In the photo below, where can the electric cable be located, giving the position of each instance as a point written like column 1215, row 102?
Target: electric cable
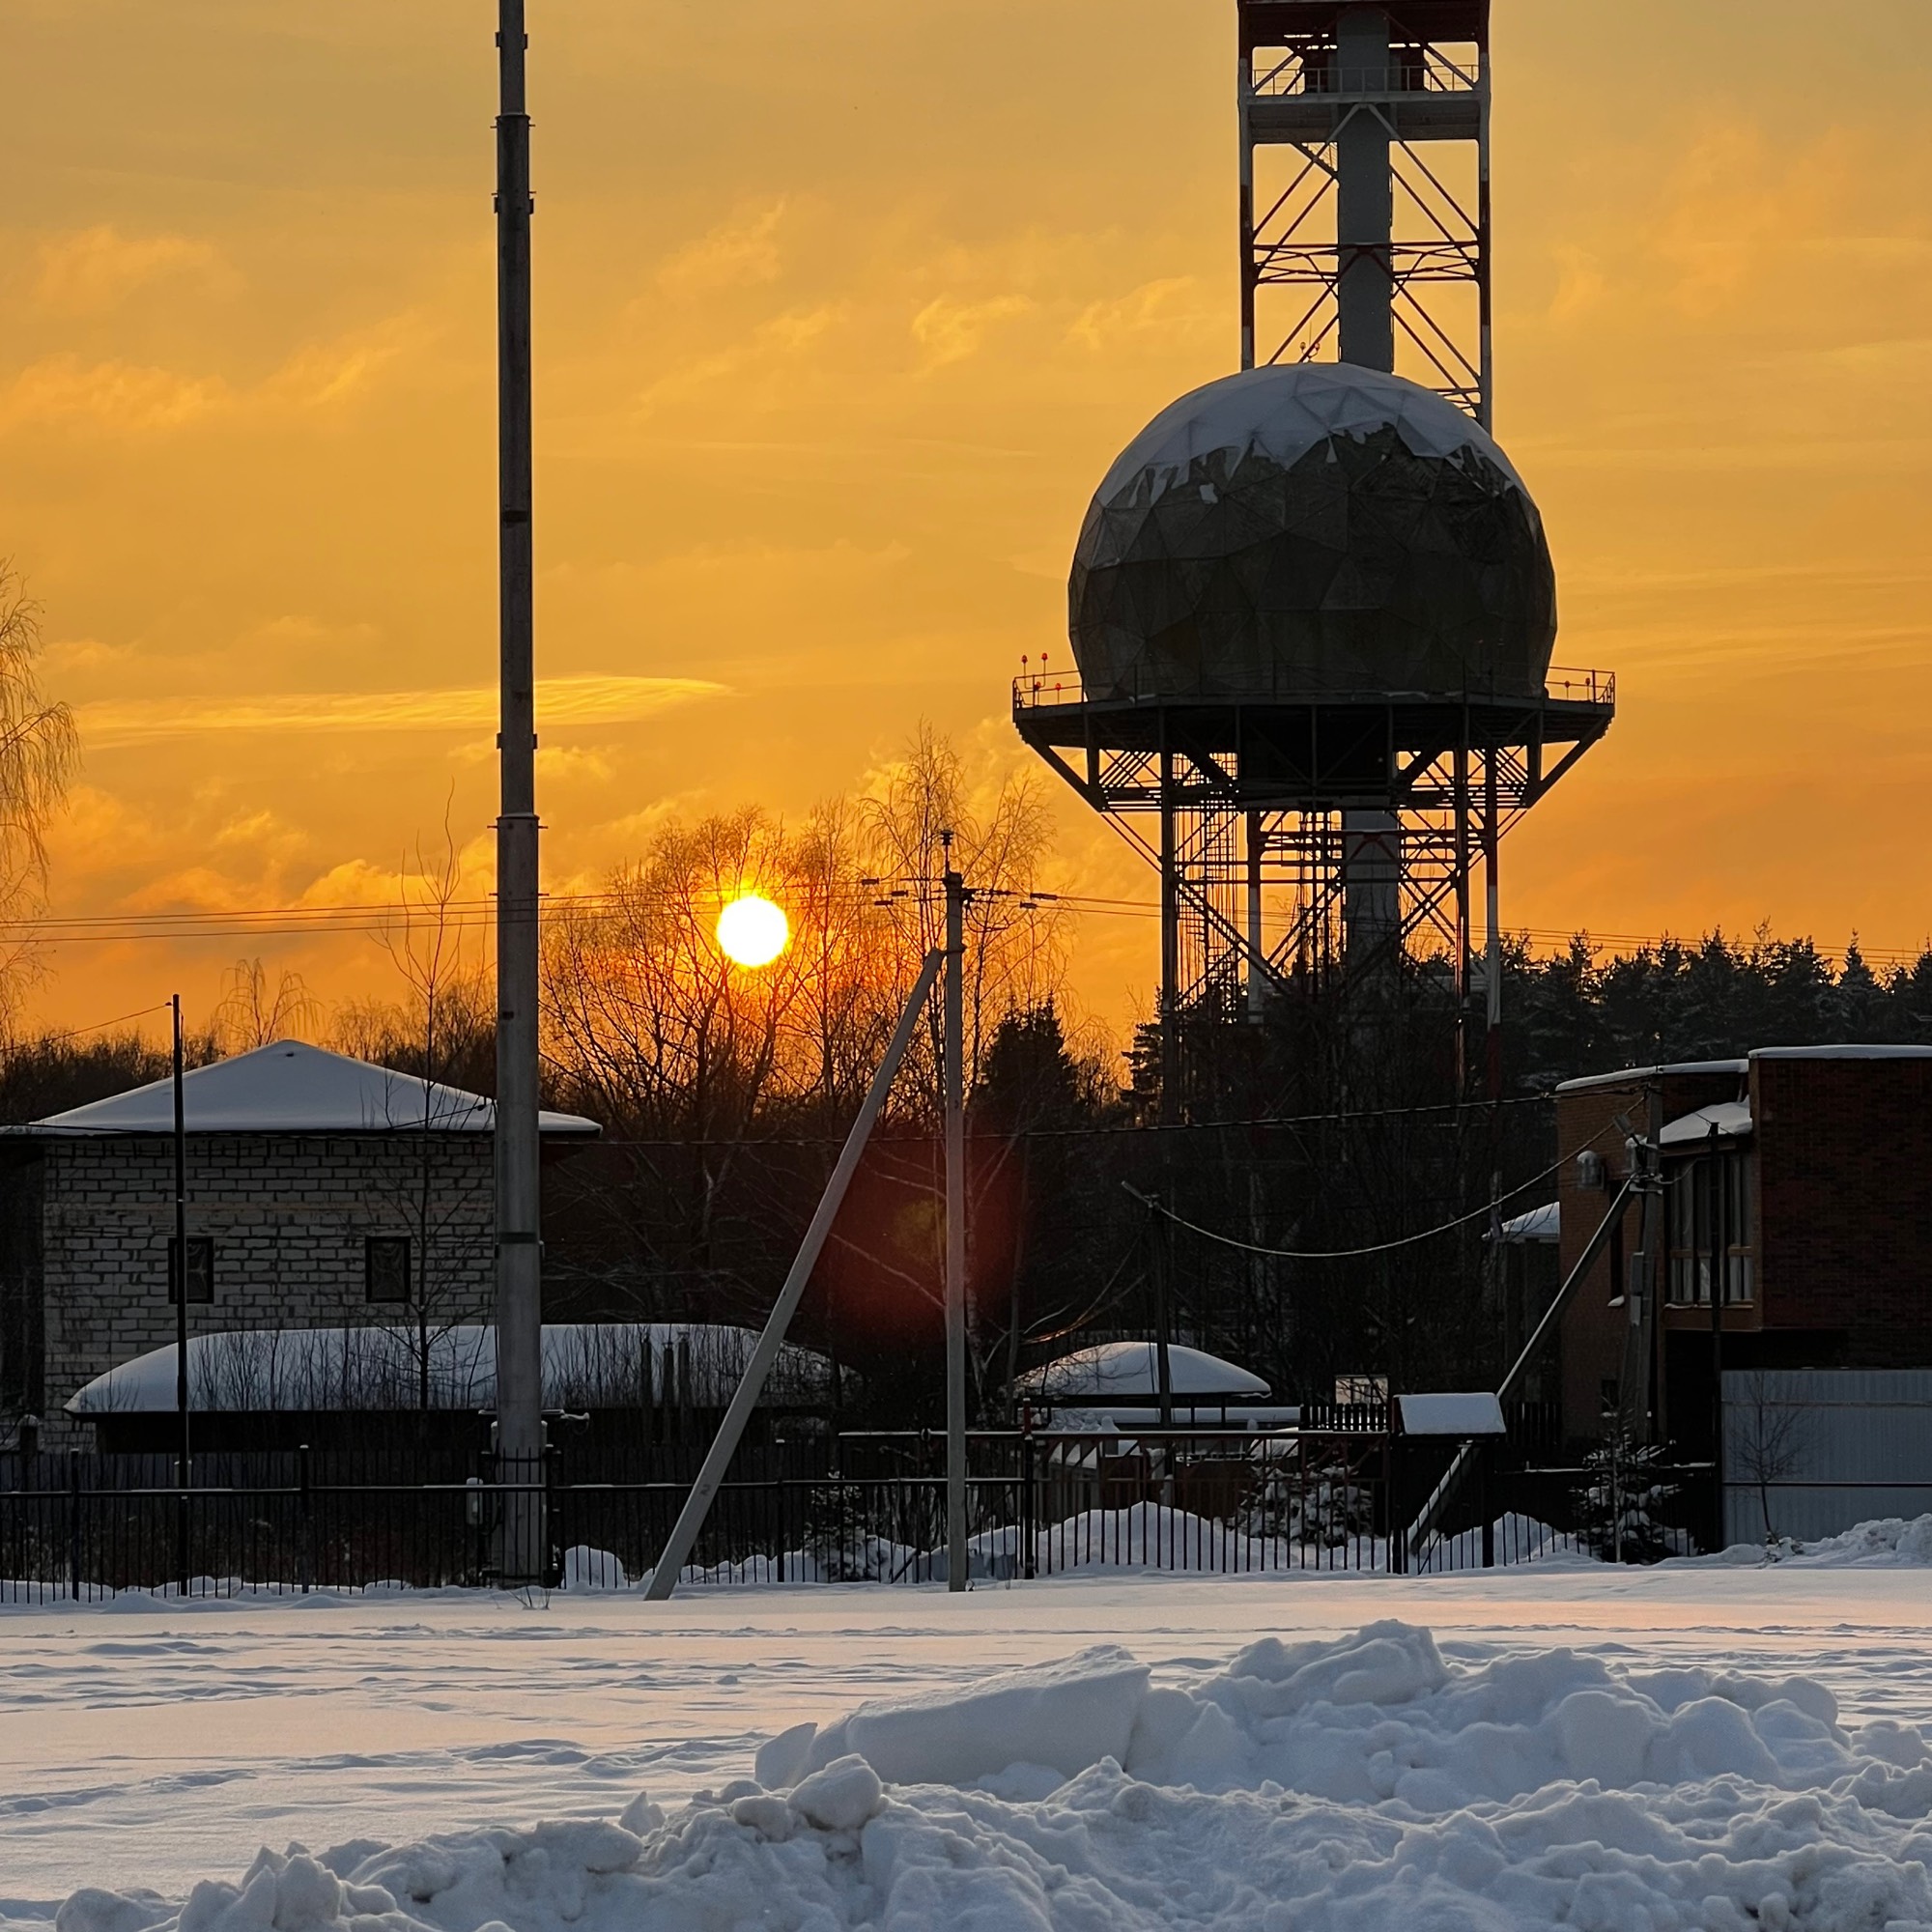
column 1375, row 1248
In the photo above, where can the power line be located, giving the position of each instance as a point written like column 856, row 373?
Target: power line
column 1148, row 1128
column 75, row 1032
column 1355, row 1254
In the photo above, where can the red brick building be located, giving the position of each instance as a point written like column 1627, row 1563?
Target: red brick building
column 1822, row 1180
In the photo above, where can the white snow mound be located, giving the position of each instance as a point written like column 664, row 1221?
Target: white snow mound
column 1321, row 1786
column 1884, row 1542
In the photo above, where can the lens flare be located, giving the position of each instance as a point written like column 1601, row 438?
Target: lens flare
column 753, row 931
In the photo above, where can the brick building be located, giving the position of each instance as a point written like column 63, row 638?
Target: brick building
column 322, row 1190
column 1821, row 1184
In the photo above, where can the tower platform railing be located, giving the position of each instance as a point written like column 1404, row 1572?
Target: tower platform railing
column 1562, row 684
column 1425, row 71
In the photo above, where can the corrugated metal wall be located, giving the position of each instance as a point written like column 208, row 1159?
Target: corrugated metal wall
column 1819, row 1450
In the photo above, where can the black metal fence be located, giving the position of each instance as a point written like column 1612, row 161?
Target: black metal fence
column 823, row 1508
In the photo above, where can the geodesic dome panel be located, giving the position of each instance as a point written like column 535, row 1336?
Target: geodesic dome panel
column 1307, row 530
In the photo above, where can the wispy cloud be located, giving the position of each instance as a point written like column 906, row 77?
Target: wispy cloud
column 560, row 701
column 95, row 268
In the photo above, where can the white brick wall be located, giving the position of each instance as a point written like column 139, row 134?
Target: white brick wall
column 287, row 1216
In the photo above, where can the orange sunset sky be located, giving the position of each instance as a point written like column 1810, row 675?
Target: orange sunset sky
column 840, row 312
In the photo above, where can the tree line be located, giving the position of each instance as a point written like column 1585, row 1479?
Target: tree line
column 1310, row 1150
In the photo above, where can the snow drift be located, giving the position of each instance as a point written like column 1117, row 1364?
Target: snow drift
column 1883, row 1542
column 1320, row 1786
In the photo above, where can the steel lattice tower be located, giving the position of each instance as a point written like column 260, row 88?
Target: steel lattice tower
column 1365, row 189
column 1317, row 838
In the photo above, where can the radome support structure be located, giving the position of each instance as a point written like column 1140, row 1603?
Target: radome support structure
column 1316, row 723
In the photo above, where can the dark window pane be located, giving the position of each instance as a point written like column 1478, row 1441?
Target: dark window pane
column 385, row 1267
column 200, row 1270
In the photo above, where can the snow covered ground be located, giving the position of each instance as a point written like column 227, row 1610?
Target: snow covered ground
column 1581, row 1746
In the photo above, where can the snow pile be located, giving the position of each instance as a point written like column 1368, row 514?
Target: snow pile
column 1141, row 1540
column 1884, row 1541
column 1321, row 1786
column 586, row 1567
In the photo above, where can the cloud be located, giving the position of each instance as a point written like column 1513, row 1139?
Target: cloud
column 740, row 253
column 560, row 701
column 62, row 391
column 1168, row 306
column 949, row 331
column 119, row 395
column 95, row 268
column 321, row 373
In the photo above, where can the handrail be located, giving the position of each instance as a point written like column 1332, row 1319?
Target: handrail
column 1564, row 683
column 1297, row 77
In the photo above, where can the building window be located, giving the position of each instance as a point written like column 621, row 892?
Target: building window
column 385, row 1267
column 200, row 1270
column 1692, row 1227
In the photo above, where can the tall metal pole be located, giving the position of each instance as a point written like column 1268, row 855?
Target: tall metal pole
column 1492, row 938
column 519, row 1258
column 185, row 1447
column 1170, row 943
column 1255, row 844
column 1245, row 84
column 955, row 1224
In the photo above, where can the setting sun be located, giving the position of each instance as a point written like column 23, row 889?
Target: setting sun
column 753, row 931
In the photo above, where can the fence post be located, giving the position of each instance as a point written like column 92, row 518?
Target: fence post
column 1028, row 1511
column 73, row 1524
column 553, row 1503
column 1398, row 1527
column 304, row 1526
column 1485, row 1456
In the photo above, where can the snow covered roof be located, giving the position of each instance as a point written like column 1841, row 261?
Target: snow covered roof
column 1111, row 1370
column 586, row 1365
column 292, row 1087
column 1626, row 1077
column 1732, row 1120
column 1539, row 1224
column 1845, row 1052
column 1475, row 1413
column 1285, row 410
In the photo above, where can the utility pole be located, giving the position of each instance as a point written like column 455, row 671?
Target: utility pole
column 1720, row 1260
column 184, row 1447
column 954, row 1053
column 519, row 1255
column 1160, row 1256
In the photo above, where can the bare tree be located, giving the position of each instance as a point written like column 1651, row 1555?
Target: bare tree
column 1771, row 1442
column 425, row 1037
column 1015, row 935
column 248, row 1015
column 40, row 749
column 700, row 1069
